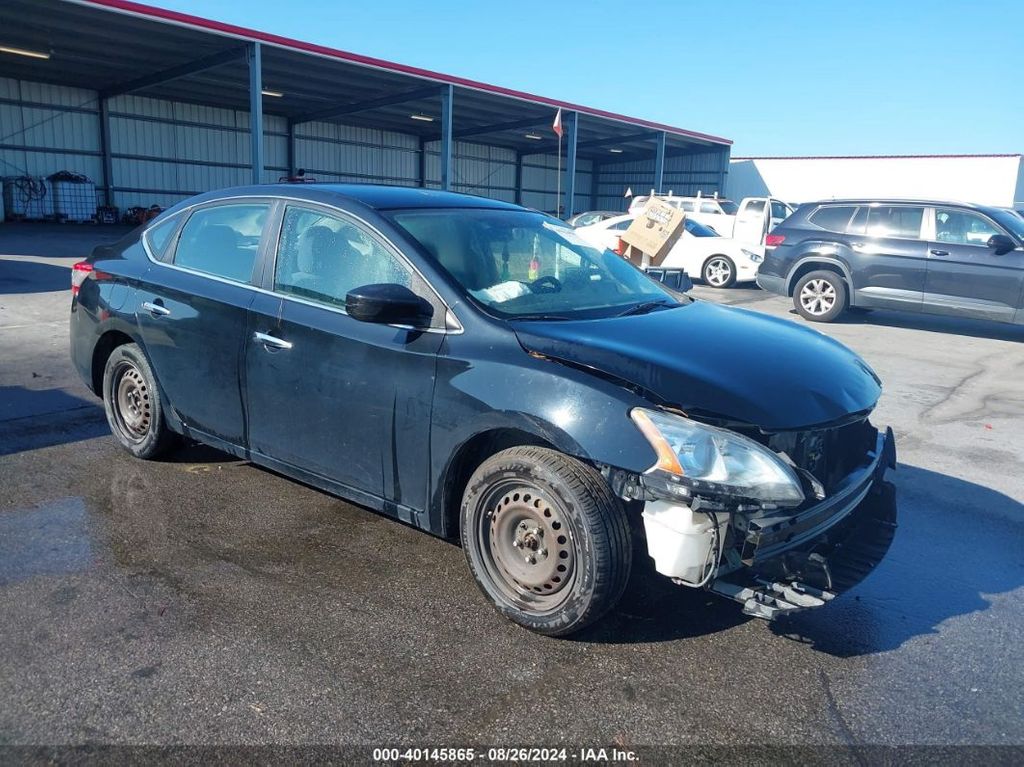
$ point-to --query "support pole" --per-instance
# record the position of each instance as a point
(108, 163)
(519, 178)
(659, 163)
(422, 163)
(256, 111)
(291, 150)
(570, 165)
(447, 92)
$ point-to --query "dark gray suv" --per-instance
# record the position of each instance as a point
(934, 257)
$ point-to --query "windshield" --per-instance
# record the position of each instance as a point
(729, 208)
(1010, 221)
(518, 264)
(699, 230)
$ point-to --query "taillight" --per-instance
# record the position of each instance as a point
(79, 272)
(772, 240)
(620, 247)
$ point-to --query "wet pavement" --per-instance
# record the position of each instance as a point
(203, 600)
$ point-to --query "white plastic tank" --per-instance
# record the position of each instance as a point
(681, 541)
(74, 197)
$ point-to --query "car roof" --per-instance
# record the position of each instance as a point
(377, 196)
(901, 201)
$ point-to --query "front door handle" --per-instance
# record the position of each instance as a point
(272, 342)
(157, 310)
(858, 245)
(939, 252)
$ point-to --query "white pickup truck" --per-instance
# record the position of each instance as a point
(747, 222)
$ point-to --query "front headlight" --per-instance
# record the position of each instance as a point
(715, 461)
(755, 257)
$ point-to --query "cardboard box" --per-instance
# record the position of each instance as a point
(653, 233)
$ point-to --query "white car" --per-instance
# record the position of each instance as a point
(719, 261)
(749, 221)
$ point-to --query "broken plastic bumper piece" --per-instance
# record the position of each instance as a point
(806, 560)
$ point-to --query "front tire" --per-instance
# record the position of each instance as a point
(719, 272)
(820, 296)
(545, 538)
(131, 399)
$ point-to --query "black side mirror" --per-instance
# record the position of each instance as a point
(388, 304)
(1001, 244)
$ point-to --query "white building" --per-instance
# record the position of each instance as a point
(984, 179)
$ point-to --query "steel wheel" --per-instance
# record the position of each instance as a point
(545, 538)
(818, 297)
(131, 400)
(719, 272)
(132, 408)
(527, 545)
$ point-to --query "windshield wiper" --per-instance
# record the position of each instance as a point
(642, 308)
(541, 317)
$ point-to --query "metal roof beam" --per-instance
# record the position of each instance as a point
(176, 73)
(363, 106)
(598, 142)
(501, 127)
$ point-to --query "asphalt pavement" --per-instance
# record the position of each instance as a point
(203, 600)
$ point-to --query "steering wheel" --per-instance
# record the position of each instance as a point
(546, 284)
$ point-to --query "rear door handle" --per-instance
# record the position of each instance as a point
(858, 245)
(157, 310)
(939, 252)
(270, 341)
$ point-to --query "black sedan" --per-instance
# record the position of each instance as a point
(477, 370)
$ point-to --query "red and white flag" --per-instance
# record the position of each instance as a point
(556, 126)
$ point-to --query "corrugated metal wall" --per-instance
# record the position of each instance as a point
(540, 178)
(684, 175)
(331, 152)
(46, 128)
(165, 151)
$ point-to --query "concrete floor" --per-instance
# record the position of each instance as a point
(203, 600)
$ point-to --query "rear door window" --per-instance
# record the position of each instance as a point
(899, 221)
(833, 218)
(710, 207)
(222, 240)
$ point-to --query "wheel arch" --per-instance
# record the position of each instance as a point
(469, 455)
(816, 263)
(104, 347)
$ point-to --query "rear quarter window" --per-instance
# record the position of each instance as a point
(833, 218)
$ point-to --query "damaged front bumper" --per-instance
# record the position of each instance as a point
(796, 561)
(780, 561)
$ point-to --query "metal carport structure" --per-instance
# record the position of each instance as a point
(310, 106)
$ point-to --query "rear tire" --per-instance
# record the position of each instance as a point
(820, 296)
(545, 538)
(719, 272)
(131, 399)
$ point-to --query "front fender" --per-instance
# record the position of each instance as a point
(539, 399)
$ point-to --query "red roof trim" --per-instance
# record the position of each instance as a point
(883, 157)
(186, 19)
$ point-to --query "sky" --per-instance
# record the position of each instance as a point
(778, 78)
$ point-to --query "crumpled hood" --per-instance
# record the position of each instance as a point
(729, 362)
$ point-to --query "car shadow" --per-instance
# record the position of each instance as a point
(35, 418)
(957, 546)
(932, 323)
(20, 277)
(957, 549)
